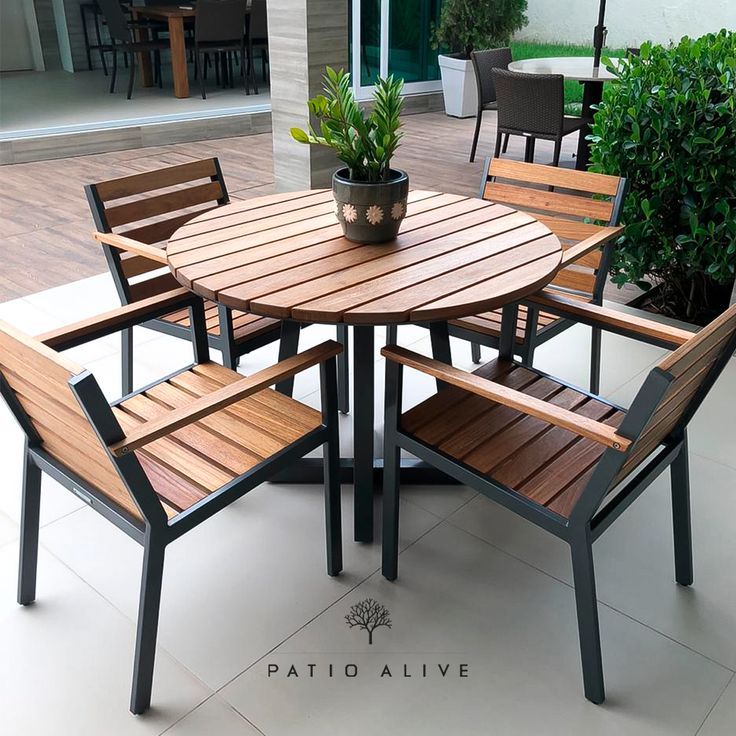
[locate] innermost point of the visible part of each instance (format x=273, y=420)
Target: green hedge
x=669, y=126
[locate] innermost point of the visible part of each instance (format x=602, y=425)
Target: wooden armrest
x=118, y=319
x=580, y=425
x=222, y=397
x=609, y=319
x=594, y=242
x=132, y=246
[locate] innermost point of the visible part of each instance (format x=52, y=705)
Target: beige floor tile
x=213, y=717
x=722, y=719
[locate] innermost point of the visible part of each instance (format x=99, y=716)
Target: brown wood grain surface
x=283, y=256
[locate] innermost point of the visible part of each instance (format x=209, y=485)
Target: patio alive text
x=435, y=670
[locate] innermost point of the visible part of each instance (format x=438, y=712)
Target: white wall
x=629, y=22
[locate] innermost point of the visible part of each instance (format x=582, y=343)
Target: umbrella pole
x=599, y=35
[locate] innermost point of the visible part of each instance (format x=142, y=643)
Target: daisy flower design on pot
x=397, y=211
x=349, y=213
x=374, y=214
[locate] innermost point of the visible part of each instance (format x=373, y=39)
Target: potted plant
x=465, y=25
x=667, y=125
x=370, y=195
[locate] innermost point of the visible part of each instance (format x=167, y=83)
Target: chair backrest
x=530, y=103
x=258, y=21
x=586, y=196
x=220, y=21
x=691, y=370
x=117, y=23
x=38, y=379
x=148, y=208
x=483, y=63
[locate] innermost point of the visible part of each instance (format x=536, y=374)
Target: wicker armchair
x=484, y=62
x=533, y=106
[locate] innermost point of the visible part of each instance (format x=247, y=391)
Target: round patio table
x=284, y=256
x=579, y=69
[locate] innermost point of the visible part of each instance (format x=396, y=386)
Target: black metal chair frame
x=155, y=532
x=588, y=519
x=545, y=122
x=487, y=59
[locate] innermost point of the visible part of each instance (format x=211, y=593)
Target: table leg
x=592, y=95
x=178, y=56
x=439, y=335
x=144, y=57
x=363, y=339
x=507, y=341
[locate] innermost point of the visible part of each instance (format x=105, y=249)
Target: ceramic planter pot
x=458, y=86
x=370, y=212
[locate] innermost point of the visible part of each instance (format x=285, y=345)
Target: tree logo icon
x=368, y=614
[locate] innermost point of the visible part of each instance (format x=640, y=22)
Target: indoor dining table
x=284, y=256
x=580, y=69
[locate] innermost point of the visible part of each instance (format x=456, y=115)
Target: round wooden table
x=284, y=256
x=579, y=69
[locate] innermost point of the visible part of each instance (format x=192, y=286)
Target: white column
x=304, y=36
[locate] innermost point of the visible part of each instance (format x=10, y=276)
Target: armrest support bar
x=132, y=246
x=118, y=319
x=222, y=397
x=594, y=242
x=621, y=323
x=580, y=425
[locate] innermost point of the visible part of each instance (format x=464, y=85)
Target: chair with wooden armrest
x=159, y=462
x=135, y=216
x=566, y=460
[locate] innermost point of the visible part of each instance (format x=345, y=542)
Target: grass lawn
x=537, y=50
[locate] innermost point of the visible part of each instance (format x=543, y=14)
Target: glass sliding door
x=393, y=37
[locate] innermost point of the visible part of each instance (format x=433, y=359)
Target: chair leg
x=497, y=150
x=331, y=461
x=680, y=481
x=147, y=628
x=529, y=150
x=127, y=360
x=587, y=613
x=202, y=72
x=100, y=49
x=558, y=149
x=131, y=76
x=288, y=347
x=114, y=74
x=475, y=352
x=506, y=142
x=28, y=561
x=390, y=555
x=343, y=370
x=595, y=360
x=478, y=119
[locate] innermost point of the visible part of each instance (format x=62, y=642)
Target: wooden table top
x=579, y=68
x=165, y=11
x=284, y=256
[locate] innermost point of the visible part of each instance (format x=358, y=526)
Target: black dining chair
x=533, y=106
x=484, y=62
x=257, y=37
x=219, y=28
x=120, y=29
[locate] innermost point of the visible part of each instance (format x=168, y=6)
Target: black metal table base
x=413, y=472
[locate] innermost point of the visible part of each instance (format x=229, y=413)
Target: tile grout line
x=601, y=602
x=713, y=707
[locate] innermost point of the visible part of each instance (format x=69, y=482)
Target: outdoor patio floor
x=477, y=586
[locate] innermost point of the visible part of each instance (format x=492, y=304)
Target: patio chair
x=121, y=39
x=136, y=257
x=587, y=199
x=219, y=28
x=257, y=32
x=533, y=106
x=483, y=63
x=568, y=461
x=160, y=461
